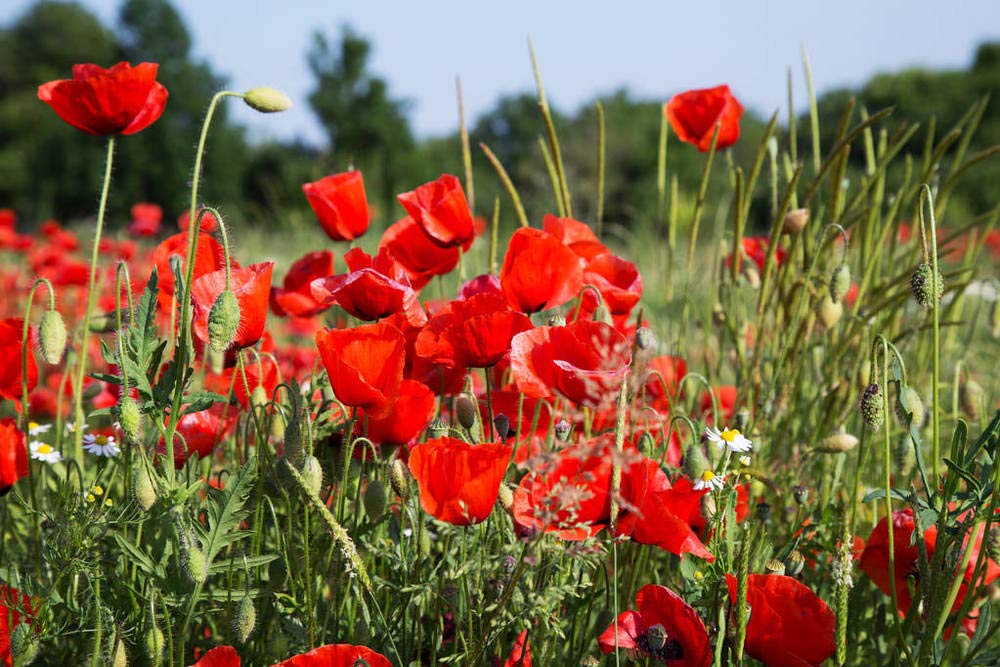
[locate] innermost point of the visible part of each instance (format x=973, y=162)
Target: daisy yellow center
x=730, y=434
x=44, y=448
x=33, y=425
x=707, y=476
x=103, y=440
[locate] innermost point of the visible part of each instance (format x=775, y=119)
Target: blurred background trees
x=47, y=171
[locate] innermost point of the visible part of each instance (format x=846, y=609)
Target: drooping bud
x=910, y=408
x=245, y=620
x=603, y=315
x=562, y=430
x=557, y=321
x=399, y=478
x=154, y=646
x=927, y=287
x=195, y=565
x=840, y=282
x=143, y=487
x=312, y=475
x=437, y=428
x=795, y=563
x=646, y=444
x=837, y=443
x=774, y=566
x=267, y=100
x=375, y=499
x=645, y=339
x=466, y=410
x=258, y=398
x=52, y=336
x=501, y=426
x=829, y=311
x=223, y=321
x=872, y=409
x=694, y=463
x=795, y=221
x=970, y=396
x=130, y=419
x=23, y=647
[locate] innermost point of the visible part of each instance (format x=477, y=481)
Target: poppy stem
x=81, y=371
x=700, y=202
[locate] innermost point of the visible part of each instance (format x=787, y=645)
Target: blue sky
x=654, y=48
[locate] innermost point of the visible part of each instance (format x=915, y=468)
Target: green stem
x=700, y=202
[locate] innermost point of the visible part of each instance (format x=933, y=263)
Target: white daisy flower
x=709, y=480
x=744, y=460
x=100, y=444
x=34, y=428
x=729, y=437
x=42, y=451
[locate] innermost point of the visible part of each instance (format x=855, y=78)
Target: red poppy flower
x=120, y=100
x=11, y=336
x=220, y=656
x=616, y=279
x=201, y=432
x=417, y=253
x=295, y=298
x=15, y=608
x=583, y=361
x=695, y=114
x=208, y=257
x=790, y=626
x=412, y=412
x=207, y=222
x=520, y=654
x=539, y=271
x=756, y=248
x=340, y=204
x=474, y=332
x=13, y=454
x=251, y=285
x=662, y=627
x=575, y=235
x=459, y=482
x=441, y=210
x=726, y=398
x=337, y=655
x=146, y=219
x=263, y=375
x=365, y=365
x=373, y=288
x=663, y=376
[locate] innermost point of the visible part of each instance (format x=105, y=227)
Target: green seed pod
x=562, y=430
x=794, y=563
x=438, y=428
x=970, y=396
x=195, y=565
x=375, y=500
x=312, y=475
x=910, y=408
x=399, y=478
x=245, y=620
x=467, y=411
x=840, y=282
x=267, y=100
x=52, y=336
x=557, y=321
x=872, y=410
x=801, y=494
x=694, y=462
x=645, y=339
x=774, y=566
x=837, y=443
x=223, y=321
x=602, y=314
x=829, y=311
x=130, y=419
x=23, y=647
x=143, y=487
x=155, y=644
x=656, y=637
x=927, y=287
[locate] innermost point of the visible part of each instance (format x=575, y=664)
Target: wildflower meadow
x=493, y=435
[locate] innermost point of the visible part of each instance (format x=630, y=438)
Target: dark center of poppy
x=659, y=645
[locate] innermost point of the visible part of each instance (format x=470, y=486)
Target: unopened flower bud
x=23, y=647
x=872, y=410
x=795, y=563
x=774, y=566
x=267, y=100
x=437, y=428
x=245, y=620
x=645, y=339
x=602, y=314
x=694, y=462
x=143, y=487
x=993, y=544
x=155, y=644
x=837, y=443
x=718, y=314
x=195, y=565
x=52, y=336
x=375, y=499
x=562, y=430
x=557, y=321
x=646, y=444
x=312, y=475
x=130, y=419
x=840, y=282
x=927, y=287
x=910, y=408
x=501, y=426
x=970, y=396
x=829, y=311
x=751, y=274
x=506, y=498
x=117, y=655
x=399, y=478
x=258, y=397
x=795, y=221
x=223, y=321
x=467, y=411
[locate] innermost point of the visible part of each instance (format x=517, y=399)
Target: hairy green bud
x=837, y=443
x=52, y=336
x=694, y=463
x=872, y=409
x=267, y=100
x=312, y=475
x=143, y=487
x=130, y=419
x=195, y=565
x=117, y=655
x=223, y=321
x=375, y=499
x=970, y=396
x=926, y=285
x=155, y=644
x=245, y=620
x=829, y=311
x=910, y=408
x=840, y=282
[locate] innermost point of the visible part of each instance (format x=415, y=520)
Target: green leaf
x=201, y=400
x=228, y=510
x=237, y=564
x=140, y=558
x=969, y=478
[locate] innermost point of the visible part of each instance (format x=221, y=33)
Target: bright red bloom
x=120, y=100
x=441, y=210
x=373, y=288
x=576, y=235
x=340, y=203
x=263, y=375
x=202, y=432
x=251, y=285
x=295, y=298
x=209, y=256
x=365, y=365
x=220, y=656
x=662, y=627
x=13, y=454
x=663, y=376
x=756, y=248
x=616, y=279
x=410, y=415
x=726, y=398
x=539, y=271
x=337, y=655
x=459, y=482
x=417, y=253
x=695, y=114
x=146, y=219
x=207, y=222
x=520, y=654
x=15, y=608
x=790, y=626
x=583, y=361
x=11, y=336
x=474, y=332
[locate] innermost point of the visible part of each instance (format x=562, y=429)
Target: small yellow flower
x=97, y=490
x=91, y=498
x=108, y=502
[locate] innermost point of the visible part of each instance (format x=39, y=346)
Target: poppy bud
x=970, y=395
x=466, y=411
x=506, y=498
x=993, y=544
x=904, y=456
x=129, y=418
x=840, y=282
x=795, y=563
x=646, y=444
x=795, y=221
x=909, y=408
x=23, y=647
x=837, y=443
x=195, y=565
x=52, y=336
x=644, y=338
x=829, y=311
x=267, y=100
x=562, y=430
x=312, y=475
x=145, y=491
x=694, y=462
x=708, y=507
x=375, y=500
x=399, y=478
x=154, y=646
x=557, y=321
x=774, y=566
x=927, y=287
x=872, y=410
x=437, y=428
x=501, y=425
x=603, y=315
x=801, y=494
x=277, y=428
x=425, y=542
x=245, y=620
x=223, y=321
x=118, y=656
x=258, y=397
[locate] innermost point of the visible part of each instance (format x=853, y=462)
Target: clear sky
x=654, y=48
